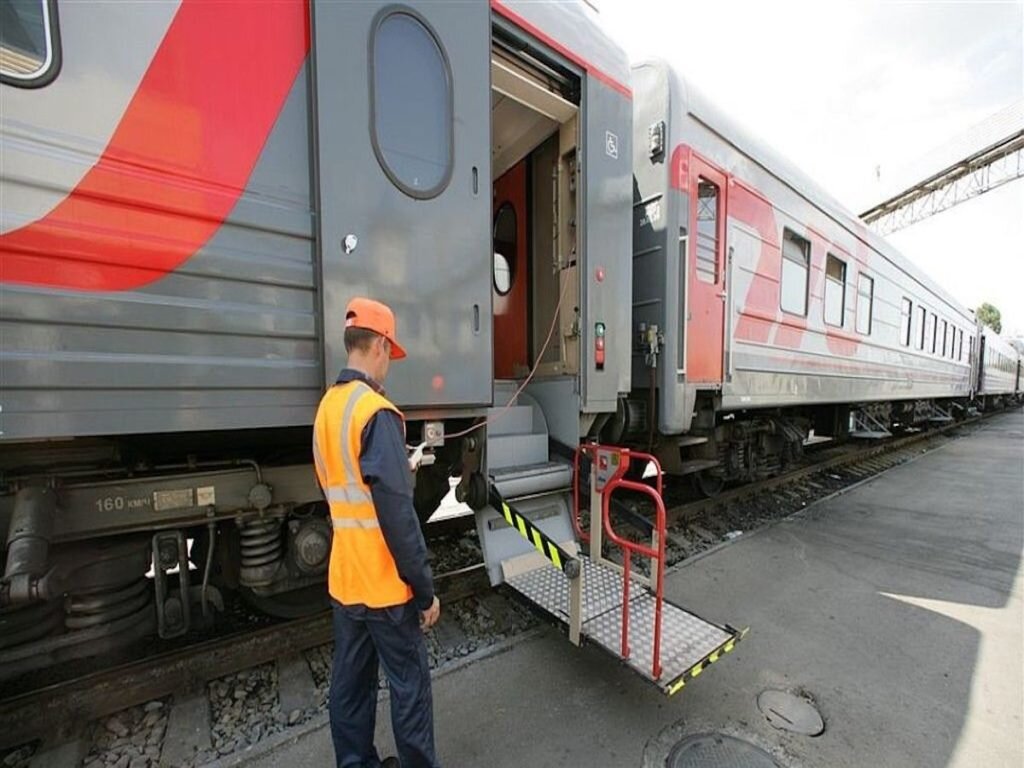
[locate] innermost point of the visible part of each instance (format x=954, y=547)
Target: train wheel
x=708, y=484
x=295, y=604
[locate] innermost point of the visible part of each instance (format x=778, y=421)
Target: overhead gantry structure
x=999, y=161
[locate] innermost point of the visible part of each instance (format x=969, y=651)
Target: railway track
x=856, y=455
x=697, y=525
x=58, y=712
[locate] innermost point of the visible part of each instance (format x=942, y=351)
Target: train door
x=511, y=274
x=705, y=301
x=403, y=168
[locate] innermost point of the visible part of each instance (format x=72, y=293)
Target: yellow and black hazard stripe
x=727, y=647
x=540, y=540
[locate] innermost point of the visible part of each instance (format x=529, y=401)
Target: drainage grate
x=716, y=750
x=790, y=713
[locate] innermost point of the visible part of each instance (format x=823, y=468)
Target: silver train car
x=999, y=374
x=762, y=309
x=184, y=219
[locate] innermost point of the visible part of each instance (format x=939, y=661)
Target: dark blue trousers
x=362, y=636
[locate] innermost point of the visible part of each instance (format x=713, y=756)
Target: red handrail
x=630, y=547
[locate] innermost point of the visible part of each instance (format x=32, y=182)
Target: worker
x=380, y=582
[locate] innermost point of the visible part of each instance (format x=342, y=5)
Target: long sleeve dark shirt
x=385, y=467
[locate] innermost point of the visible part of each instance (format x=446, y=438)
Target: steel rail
x=696, y=509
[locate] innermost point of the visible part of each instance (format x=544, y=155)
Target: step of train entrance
x=688, y=643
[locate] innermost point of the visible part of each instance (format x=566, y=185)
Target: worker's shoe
x=390, y=762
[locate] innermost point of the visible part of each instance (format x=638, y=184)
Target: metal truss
x=976, y=174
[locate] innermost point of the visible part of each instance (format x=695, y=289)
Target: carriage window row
x=1005, y=363
x=947, y=341
x=796, y=260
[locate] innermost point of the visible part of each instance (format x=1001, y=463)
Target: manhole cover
x=715, y=750
x=790, y=713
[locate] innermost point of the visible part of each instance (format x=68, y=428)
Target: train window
x=796, y=259
x=922, y=315
x=933, y=325
x=945, y=339
x=29, y=42
x=707, y=231
x=865, y=303
x=906, y=319
x=411, y=104
x=504, y=248
x=835, y=290
x=960, y=347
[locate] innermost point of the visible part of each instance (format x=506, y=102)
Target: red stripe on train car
x=753, y=209
x=572, y=56
x=180, y=157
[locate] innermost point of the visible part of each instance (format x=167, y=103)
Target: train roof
x=705, y=111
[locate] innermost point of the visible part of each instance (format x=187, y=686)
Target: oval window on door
x=411, y=104
x=504, y=248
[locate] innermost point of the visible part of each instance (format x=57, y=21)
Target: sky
x=858, y=94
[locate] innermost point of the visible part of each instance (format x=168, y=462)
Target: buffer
x=532, y=545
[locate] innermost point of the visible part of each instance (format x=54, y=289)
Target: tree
x=990, y=316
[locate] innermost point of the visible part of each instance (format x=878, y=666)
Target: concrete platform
x=897, y=607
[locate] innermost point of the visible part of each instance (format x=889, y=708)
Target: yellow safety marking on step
x=677, y=686
x=534, y=535
x=555, y=558
x=700, y=666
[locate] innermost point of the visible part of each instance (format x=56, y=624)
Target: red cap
x=376, y=317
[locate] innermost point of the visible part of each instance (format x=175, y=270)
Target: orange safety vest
x=362, y=569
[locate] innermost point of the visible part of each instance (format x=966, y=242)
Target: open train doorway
x=534, y=141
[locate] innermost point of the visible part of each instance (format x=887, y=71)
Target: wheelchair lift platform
x=601, y=601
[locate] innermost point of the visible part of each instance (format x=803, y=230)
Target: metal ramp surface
x=688, y=643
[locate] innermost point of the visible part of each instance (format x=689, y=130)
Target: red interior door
x=706, y=294
x=510, y=273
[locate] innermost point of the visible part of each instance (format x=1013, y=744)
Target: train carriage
x=758, y=299
x=184, y=219
x=999, y=374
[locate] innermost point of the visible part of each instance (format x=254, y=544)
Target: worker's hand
x=429, y=617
